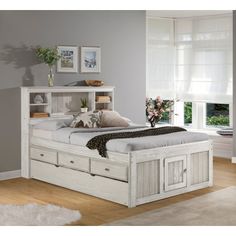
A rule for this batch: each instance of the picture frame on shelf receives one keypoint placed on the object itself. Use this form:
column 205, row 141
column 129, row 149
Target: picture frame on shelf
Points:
column 90, row 59
column 68, row 61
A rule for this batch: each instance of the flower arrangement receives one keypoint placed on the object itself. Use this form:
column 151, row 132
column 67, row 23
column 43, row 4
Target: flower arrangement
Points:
column 49, row 56
column 156, row 108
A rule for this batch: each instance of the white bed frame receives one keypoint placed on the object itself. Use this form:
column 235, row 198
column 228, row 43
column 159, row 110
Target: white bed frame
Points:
column 130, row 179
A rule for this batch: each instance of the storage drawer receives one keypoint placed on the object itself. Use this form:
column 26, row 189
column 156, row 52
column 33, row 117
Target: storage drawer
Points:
column 97, row 186
column 73, row 161
column 44, row 155
column 113, row 170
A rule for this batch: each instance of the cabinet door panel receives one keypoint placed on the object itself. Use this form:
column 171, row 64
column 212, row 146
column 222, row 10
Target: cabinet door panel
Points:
column 175, row 172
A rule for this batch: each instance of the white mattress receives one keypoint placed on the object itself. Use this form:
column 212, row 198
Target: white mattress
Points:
column 81, row 137
column 134, row 144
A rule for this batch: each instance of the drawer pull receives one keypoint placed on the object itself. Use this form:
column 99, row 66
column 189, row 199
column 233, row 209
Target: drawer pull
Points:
column 107, row 169
column 185, row 170
column 72, row 162
column 41, row 154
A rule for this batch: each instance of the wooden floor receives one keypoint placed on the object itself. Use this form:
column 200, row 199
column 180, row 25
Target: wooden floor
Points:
column 96, row 211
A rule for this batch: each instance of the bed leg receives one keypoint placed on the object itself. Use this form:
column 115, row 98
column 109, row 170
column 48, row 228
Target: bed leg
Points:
column 211, row 165
column 132, row 182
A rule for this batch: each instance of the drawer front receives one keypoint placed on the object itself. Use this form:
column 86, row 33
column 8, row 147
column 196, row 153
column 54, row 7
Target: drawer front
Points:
column 44, row 155
column 73, row 161
column 113, row 170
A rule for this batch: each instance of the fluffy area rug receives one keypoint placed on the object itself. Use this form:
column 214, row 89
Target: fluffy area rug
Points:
column 212, row 209
column 36, row 214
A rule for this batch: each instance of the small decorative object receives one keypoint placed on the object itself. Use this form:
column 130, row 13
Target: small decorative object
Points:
column 84, row 105
column 38, row 99
column 90, row 61
column 68, row 61
column 95, row 83
column 155, row 109
column 49, row 56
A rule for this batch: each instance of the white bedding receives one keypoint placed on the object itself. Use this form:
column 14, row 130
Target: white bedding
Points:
column 78, row 136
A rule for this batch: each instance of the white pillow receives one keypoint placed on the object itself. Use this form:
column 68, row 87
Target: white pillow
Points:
column 53, row 125
column 113, row 119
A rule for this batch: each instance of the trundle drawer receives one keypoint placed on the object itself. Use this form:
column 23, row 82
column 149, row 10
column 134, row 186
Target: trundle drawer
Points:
column 113, row 170
column 97, row 186
column 73, row 161
column 44, row 155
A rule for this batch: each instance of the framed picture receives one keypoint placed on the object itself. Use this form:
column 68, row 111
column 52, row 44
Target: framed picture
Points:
column 90, row 61
column 69, row 59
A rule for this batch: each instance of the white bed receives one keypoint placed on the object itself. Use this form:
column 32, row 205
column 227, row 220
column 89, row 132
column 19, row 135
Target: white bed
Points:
column 136, row 170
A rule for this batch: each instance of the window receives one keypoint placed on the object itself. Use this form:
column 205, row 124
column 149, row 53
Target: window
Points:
column 190, row 59
column 188, row 113
column 166, row 116
column 217, row 114
column 204, row 59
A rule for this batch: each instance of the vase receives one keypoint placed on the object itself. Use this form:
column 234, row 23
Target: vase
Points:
column 84, row 109
column 50, row 77
column 152, row 121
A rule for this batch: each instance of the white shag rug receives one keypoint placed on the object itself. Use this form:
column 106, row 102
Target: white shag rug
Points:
column 36, row 214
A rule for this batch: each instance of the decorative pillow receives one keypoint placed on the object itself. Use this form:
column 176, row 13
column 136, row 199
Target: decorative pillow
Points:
column 112, row 119
column 91, row 119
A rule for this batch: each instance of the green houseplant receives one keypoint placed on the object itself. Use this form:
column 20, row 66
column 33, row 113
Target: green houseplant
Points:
column 50, row 57
column 84, row 105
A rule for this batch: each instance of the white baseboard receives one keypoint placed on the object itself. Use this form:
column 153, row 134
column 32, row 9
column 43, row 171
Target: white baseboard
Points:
column 233, row 159
column 10, row 174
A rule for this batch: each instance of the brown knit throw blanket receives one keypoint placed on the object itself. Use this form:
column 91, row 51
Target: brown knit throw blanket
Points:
column 99, row 142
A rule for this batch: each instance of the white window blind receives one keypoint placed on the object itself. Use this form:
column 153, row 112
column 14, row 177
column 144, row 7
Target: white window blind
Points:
column 160, row 58
column 204, row 59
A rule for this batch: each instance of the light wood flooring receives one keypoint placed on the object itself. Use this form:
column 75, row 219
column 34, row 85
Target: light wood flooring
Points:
column 96, row 211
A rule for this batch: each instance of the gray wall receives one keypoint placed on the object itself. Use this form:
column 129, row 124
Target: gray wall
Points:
column 120, row 34
column 10, row 143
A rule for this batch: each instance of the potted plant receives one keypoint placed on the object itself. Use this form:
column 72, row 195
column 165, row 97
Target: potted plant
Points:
column 84, row 105
column 49, row 56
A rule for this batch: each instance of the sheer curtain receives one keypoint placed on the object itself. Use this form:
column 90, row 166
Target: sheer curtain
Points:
column 160, row 58
column 190, row 58
column 204, row 59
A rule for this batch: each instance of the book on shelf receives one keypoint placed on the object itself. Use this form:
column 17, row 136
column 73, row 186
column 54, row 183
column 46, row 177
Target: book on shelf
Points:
column 38, row 114
column 103, row 99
